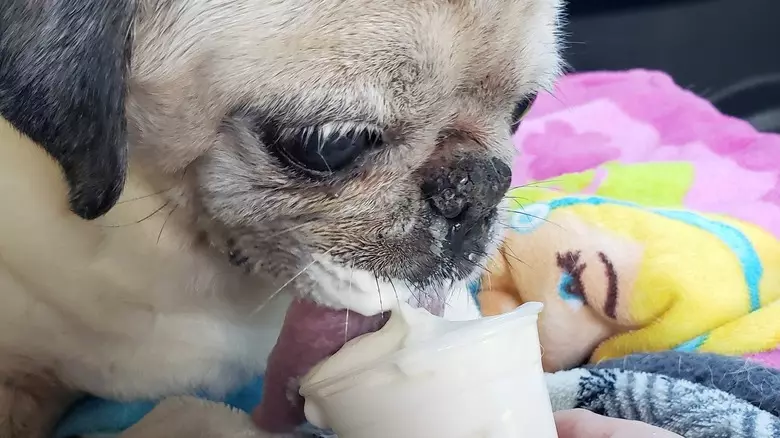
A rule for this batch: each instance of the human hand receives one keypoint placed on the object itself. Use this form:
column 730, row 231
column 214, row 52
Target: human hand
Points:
column 579, row 423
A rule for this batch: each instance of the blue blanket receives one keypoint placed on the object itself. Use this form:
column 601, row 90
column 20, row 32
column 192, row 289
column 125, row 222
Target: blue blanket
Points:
column 694, row 395
column 95, row 416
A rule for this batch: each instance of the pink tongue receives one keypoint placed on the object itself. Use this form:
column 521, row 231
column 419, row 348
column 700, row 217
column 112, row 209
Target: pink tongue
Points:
column 310, row 334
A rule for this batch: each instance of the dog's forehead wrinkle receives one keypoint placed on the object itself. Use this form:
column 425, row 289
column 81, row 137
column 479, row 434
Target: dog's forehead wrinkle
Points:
column 373, row 56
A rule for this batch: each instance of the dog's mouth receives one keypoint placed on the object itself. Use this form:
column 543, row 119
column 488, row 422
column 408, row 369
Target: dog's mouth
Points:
column 311, row 333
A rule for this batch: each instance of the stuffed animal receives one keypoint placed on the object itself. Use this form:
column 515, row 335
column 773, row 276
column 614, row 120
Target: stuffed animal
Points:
column 617, row 277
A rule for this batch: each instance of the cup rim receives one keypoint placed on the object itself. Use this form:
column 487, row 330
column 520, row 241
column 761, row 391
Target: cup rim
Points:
column 527, row 312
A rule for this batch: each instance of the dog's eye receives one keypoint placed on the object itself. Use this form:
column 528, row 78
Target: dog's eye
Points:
column 326, row 148
column 521, row 109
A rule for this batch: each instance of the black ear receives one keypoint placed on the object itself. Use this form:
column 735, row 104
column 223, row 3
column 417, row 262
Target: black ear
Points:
column 63, row 71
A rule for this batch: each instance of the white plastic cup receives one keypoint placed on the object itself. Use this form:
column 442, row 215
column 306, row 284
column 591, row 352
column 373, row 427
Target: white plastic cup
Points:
column 480, row 379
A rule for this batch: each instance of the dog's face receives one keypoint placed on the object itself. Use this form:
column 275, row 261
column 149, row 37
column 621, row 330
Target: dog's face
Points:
column 374, row 132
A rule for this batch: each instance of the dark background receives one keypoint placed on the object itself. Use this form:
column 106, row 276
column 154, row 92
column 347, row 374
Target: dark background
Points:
column 724, row 50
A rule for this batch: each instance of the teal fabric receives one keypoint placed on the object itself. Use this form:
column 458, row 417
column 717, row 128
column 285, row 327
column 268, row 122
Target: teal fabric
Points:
column 96, row 416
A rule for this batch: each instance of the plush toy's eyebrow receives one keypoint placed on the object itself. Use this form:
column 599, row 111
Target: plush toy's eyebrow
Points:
column 610, row 303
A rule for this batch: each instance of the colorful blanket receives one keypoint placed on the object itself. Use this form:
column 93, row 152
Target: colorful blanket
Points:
column 611, row 155
column 645, row 220
column 694, row 395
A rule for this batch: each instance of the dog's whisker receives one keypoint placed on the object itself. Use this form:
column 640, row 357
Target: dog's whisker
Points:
column 550, row 91
column 287, row 230
column 379, row 292
column 538, row 183
column 346, row 327
column 531, row 216
column 479, row 265
column 170, row 213
column 514, row 256
column 484, row 268
column 139, row 198
column 450, row 295
column 515, row 198
column 545, row 184
column 523, row 213
column 159, row 209
column 287, row 283
column 395, row 291
column 438, row 291
column 490, row 285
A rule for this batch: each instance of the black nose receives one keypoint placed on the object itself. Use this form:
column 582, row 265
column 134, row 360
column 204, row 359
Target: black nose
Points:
column 467, row 188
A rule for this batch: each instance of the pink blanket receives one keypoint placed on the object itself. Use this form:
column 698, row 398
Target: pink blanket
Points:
column 594, row 119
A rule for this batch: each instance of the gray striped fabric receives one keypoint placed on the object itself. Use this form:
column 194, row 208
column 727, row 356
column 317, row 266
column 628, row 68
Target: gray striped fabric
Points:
column 684, row 407
column 745, row 379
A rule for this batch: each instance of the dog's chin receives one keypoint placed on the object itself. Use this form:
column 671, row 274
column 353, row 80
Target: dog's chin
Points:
column 367, row 297
column 427, row 284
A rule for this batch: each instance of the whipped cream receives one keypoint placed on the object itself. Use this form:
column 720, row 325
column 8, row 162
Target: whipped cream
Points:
column 423, row 376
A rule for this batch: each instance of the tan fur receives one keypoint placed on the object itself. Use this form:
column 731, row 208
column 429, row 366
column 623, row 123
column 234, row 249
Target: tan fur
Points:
column 143, row 302
column 106, row 307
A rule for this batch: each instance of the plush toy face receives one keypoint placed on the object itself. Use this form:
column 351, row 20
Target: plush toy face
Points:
column 576, row 269
column 618, row 278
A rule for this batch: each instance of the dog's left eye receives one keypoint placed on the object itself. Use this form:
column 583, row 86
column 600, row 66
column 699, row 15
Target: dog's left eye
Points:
column 325, row 148
column 520, row 111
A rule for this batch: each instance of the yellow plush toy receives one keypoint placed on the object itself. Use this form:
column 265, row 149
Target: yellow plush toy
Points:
column 618, row 278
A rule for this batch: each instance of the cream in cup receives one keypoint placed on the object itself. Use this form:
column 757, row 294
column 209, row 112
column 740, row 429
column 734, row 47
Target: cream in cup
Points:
column 422, row 376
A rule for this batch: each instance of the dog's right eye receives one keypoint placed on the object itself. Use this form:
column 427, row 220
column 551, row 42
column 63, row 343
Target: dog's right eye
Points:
column 327, row 148
column 520, row 110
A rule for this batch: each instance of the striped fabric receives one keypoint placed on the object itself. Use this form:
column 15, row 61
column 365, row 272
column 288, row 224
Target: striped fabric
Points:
column 683, row 407
column 676, row 398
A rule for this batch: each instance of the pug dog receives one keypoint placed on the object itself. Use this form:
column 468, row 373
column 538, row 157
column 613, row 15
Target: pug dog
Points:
column 170, row 166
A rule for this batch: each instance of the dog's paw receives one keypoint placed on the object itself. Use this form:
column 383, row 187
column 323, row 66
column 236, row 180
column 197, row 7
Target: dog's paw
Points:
column 186, row 417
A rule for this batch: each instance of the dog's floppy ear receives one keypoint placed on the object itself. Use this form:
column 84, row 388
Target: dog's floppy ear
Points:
column 63, row 71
